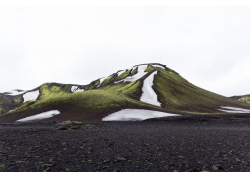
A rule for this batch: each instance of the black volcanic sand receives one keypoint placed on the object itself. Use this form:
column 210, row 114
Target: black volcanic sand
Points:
column 192, row 143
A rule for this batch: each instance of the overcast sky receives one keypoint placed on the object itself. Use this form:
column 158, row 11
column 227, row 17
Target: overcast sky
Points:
column 208, row 46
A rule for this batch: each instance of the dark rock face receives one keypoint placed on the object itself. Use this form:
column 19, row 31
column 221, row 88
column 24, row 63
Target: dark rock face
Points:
column 7, row 103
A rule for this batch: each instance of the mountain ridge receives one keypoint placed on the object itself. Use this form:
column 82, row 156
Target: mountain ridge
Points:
column 121, row 90
column 242, row 98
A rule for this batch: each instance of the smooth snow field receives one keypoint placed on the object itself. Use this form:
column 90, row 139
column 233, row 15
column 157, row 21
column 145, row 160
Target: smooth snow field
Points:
column 40, row 116
column 15, row 92
column 31, row 96
column 135, row 115
column 148, row 94
column 234, row 109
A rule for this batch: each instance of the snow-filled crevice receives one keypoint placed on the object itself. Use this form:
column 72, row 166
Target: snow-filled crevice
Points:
column 233, row 110
column 31, row 96
column 40, row 116
column 140, row 73
column 135, row 115
column 148, row 94
column 76, row 89
column 101, row 81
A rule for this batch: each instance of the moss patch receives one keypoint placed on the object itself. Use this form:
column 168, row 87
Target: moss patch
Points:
column 123, row 75
column 134, row 71
column 245, row 100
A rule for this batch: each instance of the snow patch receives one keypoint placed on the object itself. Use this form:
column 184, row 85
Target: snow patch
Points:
column 40, row 116
column 234, row 109
column 79, row 90
column 140, row 73
column 159, row 66
column 15, row 92
column 101, row 81
column 148, row 94
column 31, row 96
column 135, row 115
column 76, row 89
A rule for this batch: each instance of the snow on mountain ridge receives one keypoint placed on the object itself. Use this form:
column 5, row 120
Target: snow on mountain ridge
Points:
column 15, row 92
column 76, row 89
column 31, row 96
column 148, row 94
column 140, row 73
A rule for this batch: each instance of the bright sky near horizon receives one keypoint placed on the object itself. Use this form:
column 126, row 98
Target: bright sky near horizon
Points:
column 208, row 46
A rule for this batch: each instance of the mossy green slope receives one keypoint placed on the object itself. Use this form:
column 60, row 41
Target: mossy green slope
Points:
column 175, row 94
column 81, row 106
column 244, row 98
column 8, row 103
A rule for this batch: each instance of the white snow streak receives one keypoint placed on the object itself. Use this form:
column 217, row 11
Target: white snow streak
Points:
column 40, row 116
column 135, row 115
column 148, row 94
column 15, row 92
column 33, row 95
column 158, row 66
column 76, row 89
column 101, row 81
column 140, row 73
column 234, row 109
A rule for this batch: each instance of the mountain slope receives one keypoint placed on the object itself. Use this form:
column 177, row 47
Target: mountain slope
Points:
column 244, row 98
column 146, row 86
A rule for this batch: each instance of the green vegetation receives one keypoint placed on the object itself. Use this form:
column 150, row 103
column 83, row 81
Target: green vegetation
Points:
column 109, row 80
column 48, row 90
column 18, row 100
column 150, row 69
column 123, row 75
column 2, row 166
column 175, row 94
column 245, row 99
column 92, row 85
column 134, row 71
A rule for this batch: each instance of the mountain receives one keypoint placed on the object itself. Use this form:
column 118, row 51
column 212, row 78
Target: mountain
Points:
column 145, row 90
column 244, row 98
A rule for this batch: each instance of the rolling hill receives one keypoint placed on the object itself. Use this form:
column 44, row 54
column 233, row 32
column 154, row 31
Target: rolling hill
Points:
column 244, row 98
column 129, row 94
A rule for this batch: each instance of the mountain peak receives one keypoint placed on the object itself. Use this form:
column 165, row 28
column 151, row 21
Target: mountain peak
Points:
column 150, row 86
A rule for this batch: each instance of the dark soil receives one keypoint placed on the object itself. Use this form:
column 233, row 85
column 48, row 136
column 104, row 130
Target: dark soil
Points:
column 193, row 143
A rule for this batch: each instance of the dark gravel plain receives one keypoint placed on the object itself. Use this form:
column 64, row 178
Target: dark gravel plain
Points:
column 190, row 143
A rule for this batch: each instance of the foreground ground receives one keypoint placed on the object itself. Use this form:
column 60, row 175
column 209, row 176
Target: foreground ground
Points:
column 199, row 143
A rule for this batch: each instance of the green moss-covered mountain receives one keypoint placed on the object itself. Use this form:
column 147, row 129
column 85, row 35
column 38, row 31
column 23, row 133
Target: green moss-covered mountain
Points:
column 244, row 98
column 127, row 88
